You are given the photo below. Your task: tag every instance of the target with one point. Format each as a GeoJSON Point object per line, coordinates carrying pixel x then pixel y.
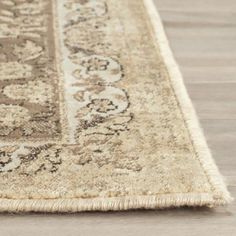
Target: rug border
{"type": "Point", "coordinates": [219, 194]}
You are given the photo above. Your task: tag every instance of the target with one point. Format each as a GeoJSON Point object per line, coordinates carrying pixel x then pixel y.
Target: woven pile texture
{"type": "Point", "coordinates": [93, 111]}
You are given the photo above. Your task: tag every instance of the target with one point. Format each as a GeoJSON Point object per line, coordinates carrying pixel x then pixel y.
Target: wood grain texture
{"type": "Point", "coordinates": [202, 35]}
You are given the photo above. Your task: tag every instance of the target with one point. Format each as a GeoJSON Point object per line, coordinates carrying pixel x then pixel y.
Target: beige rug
{"type": "Point", "coordinates": [93, 111]}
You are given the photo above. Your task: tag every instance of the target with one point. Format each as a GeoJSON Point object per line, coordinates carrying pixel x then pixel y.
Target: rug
{"type": "Point", "coordinates": [94, 114]}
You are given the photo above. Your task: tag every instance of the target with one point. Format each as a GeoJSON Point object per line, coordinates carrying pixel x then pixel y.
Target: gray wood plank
{"type": "Point", "coordinates": [221, 138]}
{"type": "Point", "coordinates": [208, 6]}
{"type": "Point", "coordinates": [214, 100]}
{"type": "Point", "coordinates": [210, 74]}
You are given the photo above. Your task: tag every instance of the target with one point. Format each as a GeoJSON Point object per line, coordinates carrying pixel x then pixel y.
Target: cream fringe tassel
{"type": "Point", "coordinates": [219, 194]}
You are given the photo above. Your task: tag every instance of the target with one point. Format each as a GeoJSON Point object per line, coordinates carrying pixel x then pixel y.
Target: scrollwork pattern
{"type": "Point", "coordinates": [102, 106]}
{"type": "Point", "coordinates": [87, 108]}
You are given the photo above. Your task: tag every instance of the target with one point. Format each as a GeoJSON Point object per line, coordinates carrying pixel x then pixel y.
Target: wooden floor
{"type": "Point", "coordinates": [202, 35]}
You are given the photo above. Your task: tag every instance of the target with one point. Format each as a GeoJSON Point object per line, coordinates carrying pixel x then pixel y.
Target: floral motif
{"type": "Point", "coordinates": [14, 70]}
{"type": "Point", "coordinates": [85, 10]}
{"type": "Point", "coordinates": [106, 68]}
{"type": "Point", "coordinates": [76, 33]}
{"type": "Point", "coordinates": [28, 72]}
{"type": "Point", "coordinates": [13, 115]}
{"type": "Point", "coordinates": [42, 158]}
{"type": "Point", "coordinates": [30, 160]}
{"type": "Point", "coordinates": [34, 91]}
{"type": "Point", "coordinates": [101, 105]}
{"type": "Point", "coordinates": [95, 64]}
{"type": "Point", "coordinates": [106, 127]}
{"type": "Point", "coordinates": [10, 158]}
{"type": "Point", "coordinates": [92, 84]}
{"type": "Point", "coordinates": [103, 152]}
{"type": "Point", "coordinates": [28, 51]}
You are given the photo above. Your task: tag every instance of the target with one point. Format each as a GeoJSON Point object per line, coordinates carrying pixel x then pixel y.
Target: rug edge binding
{"type": "Point", "coordinates": [74, 205]}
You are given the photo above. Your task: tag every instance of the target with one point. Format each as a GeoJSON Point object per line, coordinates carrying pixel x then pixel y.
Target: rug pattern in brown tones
{"type": "Point", "coordinates": [92, 116]}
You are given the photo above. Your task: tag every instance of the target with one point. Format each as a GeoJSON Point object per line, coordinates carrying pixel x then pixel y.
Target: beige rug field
{"type": "Point", "coordinates": [94, 114]}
